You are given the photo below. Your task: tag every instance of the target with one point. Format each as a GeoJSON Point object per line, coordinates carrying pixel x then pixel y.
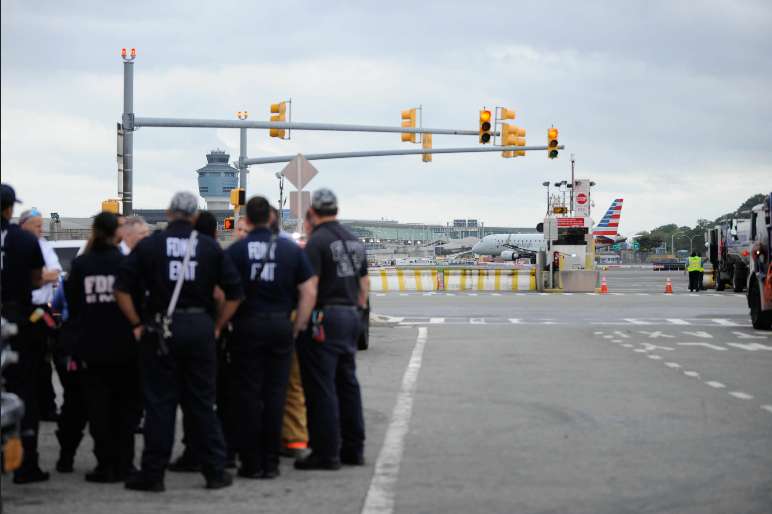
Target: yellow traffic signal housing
{"type": "Point", "coordinates": [408, 121]}
{"type": "Point", "coordinates": [512, 136]}
{"type": "Point", "coordinates": [227, 223]}
{"type": "Point", "coordinates": [278, 113]}
{"type": "Point", "coordinates": [112, 206]}
{"type": "Point", "coordinates": [507, 114]}
{"type": "Point", "coordinates": [427, 144]}
{"type": "Point", "coordinates": [485, 126]}
{"type": "Point", "coordinates": [238, 197]}
{"type": "Point", "coordinates": [552, 143]}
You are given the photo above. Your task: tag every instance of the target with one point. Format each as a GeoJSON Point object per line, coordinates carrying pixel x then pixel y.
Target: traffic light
{"type": "Point", "coordinates": [485, 126]}
{"type": "Point", "coordinates": [552, 143]}
{"type": "Point", "coordinates": [408, 121]}
{"type": "Point", "coordinates": [512, 136]}
{"type": "Point", "coordinates": [507, 114]}
{"type": "Point", "coordinates": [278, 113]}
{"type": "Point", "coordinates": [238, 197]}
{"type": "Point", "coordinates": [427, 143]}
{"type": "Point", "coordinates": [227, 223]}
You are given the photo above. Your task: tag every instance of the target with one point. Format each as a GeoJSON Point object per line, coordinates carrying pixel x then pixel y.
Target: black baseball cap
{"type": "Point", "coordinates": [8, 196]}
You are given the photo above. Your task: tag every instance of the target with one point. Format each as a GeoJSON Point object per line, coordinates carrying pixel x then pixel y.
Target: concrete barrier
{"type": "Point", "coordinates": [455, 279]}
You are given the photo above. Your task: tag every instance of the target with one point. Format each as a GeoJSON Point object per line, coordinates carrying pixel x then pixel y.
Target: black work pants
{"type": "Point", "coordinates": [185, 374]}
{"type": "Point", "coordinates": [73, 415]}
{"type": "Point", "coordinates": [112, 399]}
{"type": "Point", "coordinates": [22, 379]}
{"type": "Point", "coordinates": [694, 280]}
{"type": "Point", "coordinates": [261, 355]}
{"type": "Point", "coordinates": [335, 421]}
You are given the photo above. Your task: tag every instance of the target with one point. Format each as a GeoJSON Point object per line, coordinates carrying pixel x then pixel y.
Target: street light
{"type": "Point", "coordinates": [546, 184]}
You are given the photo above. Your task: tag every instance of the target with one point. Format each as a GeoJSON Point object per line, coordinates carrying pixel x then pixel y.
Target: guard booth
{"type": "Point", "coordinates": [570, 253]}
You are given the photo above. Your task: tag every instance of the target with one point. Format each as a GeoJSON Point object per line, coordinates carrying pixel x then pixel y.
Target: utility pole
{"type": "Point", "coordinates": [128, 127]}
{"type": "Point", "coordinates": [572, 184]}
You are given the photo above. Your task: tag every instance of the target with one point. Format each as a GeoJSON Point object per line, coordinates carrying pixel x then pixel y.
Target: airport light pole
{"type": "Point", "coordinates": [546, 184]}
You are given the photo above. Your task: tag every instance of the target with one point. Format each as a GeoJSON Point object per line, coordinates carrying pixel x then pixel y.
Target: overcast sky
{"type": "Point", "coordinates": [666, 104]}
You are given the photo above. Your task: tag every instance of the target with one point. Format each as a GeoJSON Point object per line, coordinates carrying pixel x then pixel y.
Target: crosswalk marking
{"type": "Point", "coordinates": [741, 395]}
{"type": "Point", "coordinates": [724, 322]}
{"type": "Point", "coordinates": [716, 385]}
{"type": "Point", "coordinates": [677, 321]}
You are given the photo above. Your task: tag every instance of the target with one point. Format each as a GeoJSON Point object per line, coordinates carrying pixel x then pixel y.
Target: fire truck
{"type": "Point", "coordinates": [729, 253]}
{"type": "Point", "coordinates": [760, 273]}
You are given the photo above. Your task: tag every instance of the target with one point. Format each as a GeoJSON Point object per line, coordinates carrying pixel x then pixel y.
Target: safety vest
{"type": "Point", "coordinates": [695, 264]}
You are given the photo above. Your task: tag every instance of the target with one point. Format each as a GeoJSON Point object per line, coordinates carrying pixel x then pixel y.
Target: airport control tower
{"type": "Point", "coordinates": [216, 179]}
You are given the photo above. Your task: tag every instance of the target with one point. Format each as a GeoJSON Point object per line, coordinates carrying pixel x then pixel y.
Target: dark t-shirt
{"type": "Point", "coordinates": [156, 262]}
{"type": "Point", "coordinates": [271, 269]}
{"type": "Point", "coordinates": [21, 255]}
{"type": "Point", "coordinates": [104, 333]}
{"type": "Point", "coordinates": [339, 259]}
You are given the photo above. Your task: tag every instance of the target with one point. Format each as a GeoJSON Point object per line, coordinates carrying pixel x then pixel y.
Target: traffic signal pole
{"type": "Point", "coordinates": [384, 153]}
{"type": "Point", "coordinates": [128, 135]}
{"type": "Point", "coordinates": [290, 125]}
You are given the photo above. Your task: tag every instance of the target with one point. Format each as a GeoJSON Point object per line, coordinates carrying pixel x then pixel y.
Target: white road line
{"type": "Point", "coordinates": [634, 321]}
{"type": "Point", "coordinates": [741, 395]}
{"type": "Point", "coordinates": [477, 321]}
{"type": "Point", "coordinates": [471, 294]}
{"type": "Point", "coordinates": [743, 335]}
{"type": "Point", "coordinates": [767, 408]}
{"type": "Point", "coordinates": [655, 357]}
{"type": "Point", "coordinates": [616, 340]}
{"type": "Point", "coordinates": [380, 495]}
{"type": "Point", "coordinates": [724, 322]}
{"type": "Point", "coordinates": [672, 365]}
{"type": "Point", "coordinates": [751, 347]}
{"type": "Point", "coordinates": [706, 345]}
{"type": "Point", "coordinates": [716, 385]}
{"type": "Point", "coordinates": [436, 321]}
{"type": "Point", "coordinates": [627, 345]}
{"type": "Point", "coordinates": [691, 374]}
{"type": "Point", "coordinates": [677, 321]}
{"type": "Point", "coordinates": [608, 336]}
{"type": "Point", "coordinates": [598, 333]}
{"type": "Point", "coordinates": [514, 321]}
{"type": "Point", "coordinates": [495, 294]}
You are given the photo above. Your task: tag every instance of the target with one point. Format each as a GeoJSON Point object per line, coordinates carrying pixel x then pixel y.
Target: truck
{"type": "Point", "coordinates": [759, 293]}
{"type": "Point", "coordinates": [729, 253]}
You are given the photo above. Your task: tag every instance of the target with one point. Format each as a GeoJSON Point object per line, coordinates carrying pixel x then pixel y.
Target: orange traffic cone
{"type": "Point", "coordinates": [603, 285]}
{"type": "Point", "coordinates": [668, 286]}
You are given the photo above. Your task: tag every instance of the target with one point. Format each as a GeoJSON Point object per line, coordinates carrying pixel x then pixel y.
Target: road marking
{"type": "Point", "coordinates": [654, 357]}
{"type": "Point", "coordinates": [477, 321]}
{"type": "Point", "coordinates": [724, 322]}
{"type": "Point", "coordinates": [741, 395]}
{"type": "Point", "coordinates": [672, 365]}
{"type": "Point", "coordinates": [649, 347]}
{"type": "Point", "coordinates": [743, 335]}
{"type": "Point", "coordinates": [627, 345]}
{"type": "Point", "coordinates": [656, 334]}
{"type": "Point", "coordinates": [691, 374]}
{"type": "Point", "coordinates": [471, 294]}
{"type": "Point", "coordinates": [717, 385]}
{"type": "Point", "coordinates": [767, 408]}
{"type": "Point", "coordinates": [608, 336]}
{"type": "Point", "coordinates": [514, 321]}
{"type": "Point", "coordinates": [495, 294]}
{"type": "Point", "coordinates": [598, 333]}
{"type": "Point", "coordinates": [616, 340]}
{"type": "Point", "coordinates": [699, 333]}
{"type": "Point", "coordinates": [436, 321]}
{"type": "Point", "coordinates": [751, 347]}
{"type": "Point", "coordinates": [678, 321]}
{"type": "Point", "coordinates": [639, 350]}
{"type": "Point", "coordinates": [634, 321]}
{"type": "Point", "coordinates": [706, 345]}
{"type": "Point", "coordinates": [621, 334]}
{"type": "Point", "coordinates": [380, 495]}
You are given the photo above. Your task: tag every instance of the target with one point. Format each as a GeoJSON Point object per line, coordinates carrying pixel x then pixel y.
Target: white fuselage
{"type": "Point", "coordinates": [495, 244]}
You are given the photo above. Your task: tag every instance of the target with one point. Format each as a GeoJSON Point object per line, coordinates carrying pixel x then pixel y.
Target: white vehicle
{"type": "Point", "coordinates": [510, 247]}
{"type": "Point", "coordinates": [66, 250]}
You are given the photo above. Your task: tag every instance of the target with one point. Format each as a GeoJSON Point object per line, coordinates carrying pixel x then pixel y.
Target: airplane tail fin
{"type": "Point", "coordinates": [609, 223]}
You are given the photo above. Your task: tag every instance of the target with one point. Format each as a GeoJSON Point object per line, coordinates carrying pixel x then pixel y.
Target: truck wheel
{"type": "Point", "coordinates": [761, 320]}
{"type": "Point", "coordinates": [739, 278]}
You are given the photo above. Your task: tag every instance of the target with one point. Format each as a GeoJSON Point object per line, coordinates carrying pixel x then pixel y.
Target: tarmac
{"type": "Point", "coordinates": [630, 402]}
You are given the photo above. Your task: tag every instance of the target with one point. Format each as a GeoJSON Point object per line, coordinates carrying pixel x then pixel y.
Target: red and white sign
{"type": "Point", "coordinates": [581, 198]}
{"type": "Point", "coordinates": [570, 222]}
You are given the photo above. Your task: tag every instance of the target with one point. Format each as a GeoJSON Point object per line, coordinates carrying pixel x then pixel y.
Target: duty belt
{"type": "Point", "coordinates": [190, 310]}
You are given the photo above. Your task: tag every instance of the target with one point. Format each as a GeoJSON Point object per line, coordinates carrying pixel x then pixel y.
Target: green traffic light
{"type": "Point", "coordinates": [552, 154]}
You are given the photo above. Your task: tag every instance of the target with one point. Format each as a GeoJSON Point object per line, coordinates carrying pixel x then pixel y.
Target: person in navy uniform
{"type": "Point", "coordinates": [277, 277]}
{"type": "Point", "coordinates": [180, 366]}
{"type": "Point", "coordinates": [22, 271]}
{"type": "Point", "coordinates": [106, 350]}
{"type": "Point", "coordinates": [327, 353]}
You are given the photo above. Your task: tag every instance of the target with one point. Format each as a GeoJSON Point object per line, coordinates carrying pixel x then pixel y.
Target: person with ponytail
{"type": "Point", "coordinates": [107, 350]}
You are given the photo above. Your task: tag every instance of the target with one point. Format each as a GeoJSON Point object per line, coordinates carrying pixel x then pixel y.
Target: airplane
{"type": "Point", "coordinates": [514, 246]}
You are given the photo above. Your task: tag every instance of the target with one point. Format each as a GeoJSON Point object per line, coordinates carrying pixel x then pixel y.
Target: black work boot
{"type": "Point", "coordinates": [219, 481]}
{"type": "Point", "coordinates": [185, 463]}
{"type": "Point", "coordinates": [140, 482]}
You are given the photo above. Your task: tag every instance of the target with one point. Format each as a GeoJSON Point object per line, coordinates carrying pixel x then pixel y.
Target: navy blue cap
{"type": "Point", "coordinates": [8, 196]}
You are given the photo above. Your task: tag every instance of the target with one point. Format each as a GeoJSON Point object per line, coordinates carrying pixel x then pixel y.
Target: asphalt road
{"type": "Point", "coordinates": [519, 402]}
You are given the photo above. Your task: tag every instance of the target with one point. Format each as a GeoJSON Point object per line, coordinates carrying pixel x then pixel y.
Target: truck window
{"type": "Point", "coordinates": [754, 215]}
